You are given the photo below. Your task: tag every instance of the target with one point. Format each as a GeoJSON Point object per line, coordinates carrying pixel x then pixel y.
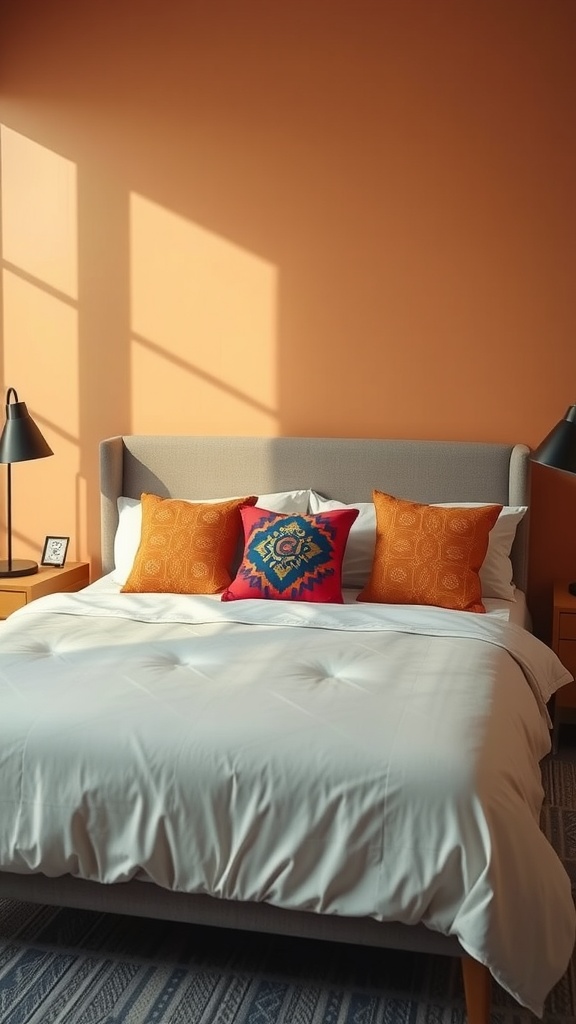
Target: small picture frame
{"type": "Point", "coordinates": [54, 552]}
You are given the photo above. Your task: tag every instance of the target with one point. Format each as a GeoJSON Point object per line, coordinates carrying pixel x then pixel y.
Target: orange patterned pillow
{"type": "Point", "coordinates": [185, 547]}
{"type": "Point", "coordinates": [429, 555]}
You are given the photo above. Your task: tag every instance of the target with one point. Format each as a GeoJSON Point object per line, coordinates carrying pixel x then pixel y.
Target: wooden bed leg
{"type": "Point", "coordinates": [477, 985]}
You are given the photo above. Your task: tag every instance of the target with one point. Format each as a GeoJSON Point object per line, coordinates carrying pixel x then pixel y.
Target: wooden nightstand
{"type": "Point", "coordinates": [564, 644]}
{"type": "Point", "coordinates": [15, 593]}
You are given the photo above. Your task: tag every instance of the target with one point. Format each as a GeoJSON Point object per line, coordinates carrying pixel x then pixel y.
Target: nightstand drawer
{"type": "Point", "coordinates": [15, 593]}
{"type": "Point", "coordinates": [10, 603]}
{"type": "Point", "coordinates": [567, 654]}
{"type": "Point", "coordinates": [567, 626]}
{"type": "Point", "coordinates": [566, 695]}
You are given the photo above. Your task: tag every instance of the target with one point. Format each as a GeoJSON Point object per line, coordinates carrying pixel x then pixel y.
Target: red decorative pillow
{"type": "Point", "coordinates": [292, 557]}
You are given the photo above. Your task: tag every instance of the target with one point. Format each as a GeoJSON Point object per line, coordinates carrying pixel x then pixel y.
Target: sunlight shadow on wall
{"type": "Point", "coordinates": [40, 327]}
{"type": "Point", "coordinates": [203, 318]}
{"type": "Point", "coordinates": [39, 214]}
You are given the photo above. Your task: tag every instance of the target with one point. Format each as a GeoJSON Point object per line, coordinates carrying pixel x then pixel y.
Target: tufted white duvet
{"type": "Point", "coordinates": [360, 760]}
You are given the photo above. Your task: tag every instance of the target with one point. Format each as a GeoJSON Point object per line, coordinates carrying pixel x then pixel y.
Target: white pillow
{"type": "Point", "coordinates": [495, 573]}
{"type": "Point", "coordinates": [127, 536]}
{"type": "Point", "coordinates": [359, 551]}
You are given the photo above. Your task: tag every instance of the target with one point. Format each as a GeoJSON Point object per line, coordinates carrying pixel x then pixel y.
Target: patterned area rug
{"type": "Point", "coordinates": [78, 967]}
{"type": "Point", "coordinates": [559, 810]}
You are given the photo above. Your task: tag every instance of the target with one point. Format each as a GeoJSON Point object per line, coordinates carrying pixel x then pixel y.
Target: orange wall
{"type": "Point", "coordinates": [340, 217]}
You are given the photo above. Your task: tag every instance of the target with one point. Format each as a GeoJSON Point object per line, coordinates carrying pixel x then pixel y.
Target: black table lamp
{"type": "Point", "coordinates": [20, 441]}
{"type": "Point", "coordinates": [558, 450]}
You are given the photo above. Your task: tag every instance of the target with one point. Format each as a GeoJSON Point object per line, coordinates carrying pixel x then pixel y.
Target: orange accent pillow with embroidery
{"type": "Point", "coordinates": [185, 547]}
{"type": "Point", "coordinates": [428, 555]}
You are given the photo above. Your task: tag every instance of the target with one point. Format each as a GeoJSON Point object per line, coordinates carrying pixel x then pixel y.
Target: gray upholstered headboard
{"type": "Point", "coordinates": [344, 468]}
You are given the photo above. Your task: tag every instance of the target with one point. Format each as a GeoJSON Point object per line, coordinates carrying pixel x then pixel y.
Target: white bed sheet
{"type": "Point", "coordinates": [515, 611]}
{"type": "Point", "coordinates": [359, 760]}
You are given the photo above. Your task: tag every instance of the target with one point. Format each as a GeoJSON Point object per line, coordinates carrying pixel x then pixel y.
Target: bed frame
{"type": "Point", "coordinates": [346, 469]}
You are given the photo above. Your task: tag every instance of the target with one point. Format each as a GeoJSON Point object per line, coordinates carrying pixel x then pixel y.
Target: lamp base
{"type": "Point", "coordinates": [20, 567]}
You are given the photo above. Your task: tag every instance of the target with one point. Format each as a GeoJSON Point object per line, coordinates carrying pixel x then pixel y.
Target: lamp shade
{"type": "Point", "coordinates": [21, 439]}
{"type": "Point", "coordinates": [558, 449]}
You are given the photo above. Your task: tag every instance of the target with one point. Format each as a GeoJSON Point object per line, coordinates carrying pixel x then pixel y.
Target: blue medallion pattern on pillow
{"type": "Point", "coordinates": [289, 554]}
{"type": "Point", "coordinates": [292, 557]}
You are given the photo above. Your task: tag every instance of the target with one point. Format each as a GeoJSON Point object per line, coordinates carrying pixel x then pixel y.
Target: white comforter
{"type": "Point", "coordinates": [354, 760]}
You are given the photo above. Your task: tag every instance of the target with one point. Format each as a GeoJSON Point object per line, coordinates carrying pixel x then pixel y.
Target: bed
{"type": "Point", "coordinates": [361, 771]}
